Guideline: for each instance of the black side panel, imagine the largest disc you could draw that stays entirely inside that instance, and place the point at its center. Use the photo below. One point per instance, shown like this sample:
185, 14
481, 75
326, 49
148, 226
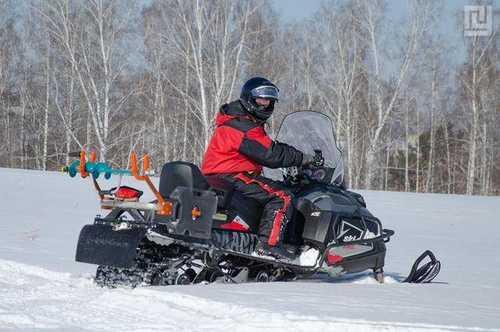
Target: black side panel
316, 223
317, 228
375, 259
101, 245
203, 200
234, 241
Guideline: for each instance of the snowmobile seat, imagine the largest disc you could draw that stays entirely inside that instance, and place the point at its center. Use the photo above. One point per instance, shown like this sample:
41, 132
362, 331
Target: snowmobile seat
181, 174
223, 189
235, 204
247, 209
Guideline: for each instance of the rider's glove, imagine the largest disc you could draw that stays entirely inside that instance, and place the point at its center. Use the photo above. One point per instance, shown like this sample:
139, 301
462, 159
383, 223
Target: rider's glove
312, 160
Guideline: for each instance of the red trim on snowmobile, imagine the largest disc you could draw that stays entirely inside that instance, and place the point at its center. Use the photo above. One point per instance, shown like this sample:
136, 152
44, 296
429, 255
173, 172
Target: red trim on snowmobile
234, 226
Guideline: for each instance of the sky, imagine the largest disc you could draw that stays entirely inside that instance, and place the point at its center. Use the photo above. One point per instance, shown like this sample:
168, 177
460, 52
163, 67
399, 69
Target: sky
295, 10
298, 9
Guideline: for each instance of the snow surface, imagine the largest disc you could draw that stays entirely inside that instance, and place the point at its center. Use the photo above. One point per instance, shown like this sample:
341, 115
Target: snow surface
42, 288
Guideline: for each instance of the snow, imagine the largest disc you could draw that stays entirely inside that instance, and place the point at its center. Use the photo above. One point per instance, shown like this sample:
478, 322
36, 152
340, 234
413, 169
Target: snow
41, 287
309, 257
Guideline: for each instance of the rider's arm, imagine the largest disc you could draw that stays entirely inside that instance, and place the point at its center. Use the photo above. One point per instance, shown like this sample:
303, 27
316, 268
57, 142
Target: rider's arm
258, 146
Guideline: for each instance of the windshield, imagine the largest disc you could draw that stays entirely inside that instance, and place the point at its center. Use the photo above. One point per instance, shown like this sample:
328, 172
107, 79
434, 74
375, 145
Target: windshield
309, 131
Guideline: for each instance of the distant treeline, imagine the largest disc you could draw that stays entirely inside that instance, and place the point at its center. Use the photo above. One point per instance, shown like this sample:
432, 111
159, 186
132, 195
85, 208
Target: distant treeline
151, 76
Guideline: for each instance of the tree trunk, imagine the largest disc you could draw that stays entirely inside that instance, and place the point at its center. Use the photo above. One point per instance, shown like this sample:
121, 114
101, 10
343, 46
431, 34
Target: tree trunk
417, 171
448, 158
407, 153
429, 182
387, 157
46, 112
471, 166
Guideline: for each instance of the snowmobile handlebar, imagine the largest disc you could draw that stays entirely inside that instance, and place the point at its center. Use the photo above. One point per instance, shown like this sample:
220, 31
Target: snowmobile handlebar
306, 174
319, 161
314, 171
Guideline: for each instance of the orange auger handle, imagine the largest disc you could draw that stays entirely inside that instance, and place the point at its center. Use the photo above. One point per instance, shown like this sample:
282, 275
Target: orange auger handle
146, 164
165, 207
83, 163
134, 166
93, 156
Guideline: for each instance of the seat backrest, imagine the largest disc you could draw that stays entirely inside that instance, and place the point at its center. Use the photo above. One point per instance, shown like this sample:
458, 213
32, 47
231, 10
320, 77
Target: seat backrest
181, 174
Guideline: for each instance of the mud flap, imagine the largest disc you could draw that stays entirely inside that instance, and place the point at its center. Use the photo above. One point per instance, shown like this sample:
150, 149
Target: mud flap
101, 245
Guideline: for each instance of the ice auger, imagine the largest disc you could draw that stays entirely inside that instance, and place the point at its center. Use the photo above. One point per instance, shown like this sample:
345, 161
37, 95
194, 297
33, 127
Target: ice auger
121, 196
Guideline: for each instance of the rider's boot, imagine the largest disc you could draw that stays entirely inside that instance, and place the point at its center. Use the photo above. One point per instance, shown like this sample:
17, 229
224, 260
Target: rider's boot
279, 251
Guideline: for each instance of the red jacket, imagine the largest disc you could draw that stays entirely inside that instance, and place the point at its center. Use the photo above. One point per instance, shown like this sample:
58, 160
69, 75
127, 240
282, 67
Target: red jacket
240, 144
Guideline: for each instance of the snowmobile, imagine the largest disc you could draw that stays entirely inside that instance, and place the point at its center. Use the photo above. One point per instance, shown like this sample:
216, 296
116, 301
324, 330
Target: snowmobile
199, 229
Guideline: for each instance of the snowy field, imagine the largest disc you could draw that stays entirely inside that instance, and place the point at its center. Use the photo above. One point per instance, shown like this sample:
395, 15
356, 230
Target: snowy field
43, 289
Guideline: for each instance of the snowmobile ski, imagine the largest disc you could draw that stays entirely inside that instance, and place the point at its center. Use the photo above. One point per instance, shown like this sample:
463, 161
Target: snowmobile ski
425, 273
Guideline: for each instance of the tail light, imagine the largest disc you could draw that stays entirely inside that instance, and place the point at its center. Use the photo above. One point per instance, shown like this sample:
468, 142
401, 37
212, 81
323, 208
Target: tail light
332, 259
128, 193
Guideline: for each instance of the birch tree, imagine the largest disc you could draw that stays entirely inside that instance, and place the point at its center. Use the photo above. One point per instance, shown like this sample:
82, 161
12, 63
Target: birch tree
384, 99
211, 37
473, 80
338, 77
89, 33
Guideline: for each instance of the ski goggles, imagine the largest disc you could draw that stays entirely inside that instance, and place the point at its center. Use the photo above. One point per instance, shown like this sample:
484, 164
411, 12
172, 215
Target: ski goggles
266, 92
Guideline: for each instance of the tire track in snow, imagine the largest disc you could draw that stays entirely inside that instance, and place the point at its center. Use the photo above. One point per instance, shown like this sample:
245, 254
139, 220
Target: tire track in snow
36, 298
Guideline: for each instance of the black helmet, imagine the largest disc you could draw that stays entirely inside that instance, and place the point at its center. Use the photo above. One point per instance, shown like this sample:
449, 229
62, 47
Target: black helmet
259, 87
